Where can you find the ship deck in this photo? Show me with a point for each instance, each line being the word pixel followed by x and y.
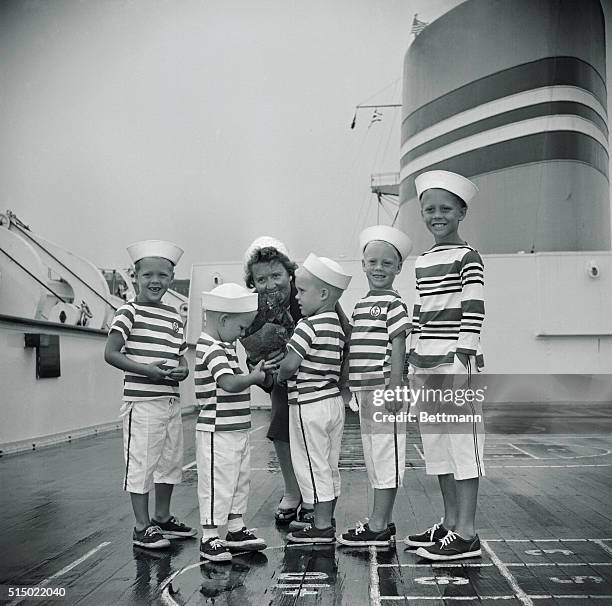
pixel 545 521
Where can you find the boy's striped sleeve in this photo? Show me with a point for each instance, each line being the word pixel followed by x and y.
pixel 123 321
pixel 302 338
pixel 472 302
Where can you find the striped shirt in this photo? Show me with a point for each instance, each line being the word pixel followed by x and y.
pixel 319 341
pixel 449 307
pixel 150 332
pixel 377 319
pixel 219 410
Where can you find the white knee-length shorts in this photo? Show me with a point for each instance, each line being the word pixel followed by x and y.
pixel 152 443
pixel 451 450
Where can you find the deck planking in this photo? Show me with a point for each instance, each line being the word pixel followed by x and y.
pixel 63 502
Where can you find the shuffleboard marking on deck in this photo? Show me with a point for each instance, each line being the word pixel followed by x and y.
pixel 516 588
pixel 523 451
pixel 189 465
pixel 257 428
pixel 374 584
pixel 600 543
pixel 419 451
pixel 439 565
pixel 65 569
pixel 439 598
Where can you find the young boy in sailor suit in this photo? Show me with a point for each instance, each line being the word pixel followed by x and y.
pixel 447 319
pixel 312 367
pixel 222 430
pixel 146 341
pixel 377 351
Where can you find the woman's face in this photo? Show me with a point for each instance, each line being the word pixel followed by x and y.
pixel 271 277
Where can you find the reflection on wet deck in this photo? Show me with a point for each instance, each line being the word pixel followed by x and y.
pixel 545 520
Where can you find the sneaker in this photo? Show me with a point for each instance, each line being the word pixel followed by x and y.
pixel 452 547
pixel 428 537
pixel 173 529
pixel 214 550
pixel 243 540
pixel 305 517
pixel 362 536
pixel 150 537
pixel 313 535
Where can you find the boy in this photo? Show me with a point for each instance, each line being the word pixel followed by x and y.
pixel 222 431
pixel 377 351
pixel 146 341
pixel 448 315
pixel 316 409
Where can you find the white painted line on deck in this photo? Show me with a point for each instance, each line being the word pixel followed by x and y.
pixel 601 544
pixel 374 586
pixel 520 594
pixel 419 451
pixel 189 465
pixel 257 428
pixel 440 565
pixel 64 570
pixel 523 451
pixel 457 598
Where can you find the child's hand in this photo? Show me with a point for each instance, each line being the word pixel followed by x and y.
pixel 258 373
pixel 180 373
pixel 156 371
pixel 276 359
pixel 270 366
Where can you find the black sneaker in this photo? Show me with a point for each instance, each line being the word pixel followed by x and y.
pixel 305 518
pixel 428 537
pixel 214 550
pixel 173 529
pixel 243 540
pixel 452 547
pixel 150 537
pixel 313 535
pixel 363 536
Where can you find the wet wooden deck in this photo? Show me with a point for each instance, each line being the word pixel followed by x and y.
pixel 545 520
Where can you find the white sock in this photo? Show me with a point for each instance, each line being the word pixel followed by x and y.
pixel 209 533
pixel 235 524
pixel 289 501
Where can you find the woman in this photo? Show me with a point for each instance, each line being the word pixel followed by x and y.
pixel 271 273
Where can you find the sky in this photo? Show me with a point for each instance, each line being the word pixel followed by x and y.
pixel 203 122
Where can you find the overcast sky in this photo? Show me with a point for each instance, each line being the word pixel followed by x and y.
pixel 205 122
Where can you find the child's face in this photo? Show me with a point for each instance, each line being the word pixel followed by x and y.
pixel 309 293
pixel 381 263
pixel 233 326
pixel 442 212
pixel 153 278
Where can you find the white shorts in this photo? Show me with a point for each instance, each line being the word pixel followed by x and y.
pixel 224 474
pixel 384 445
pixel 315 434
pixel 152 443
pixel 452 451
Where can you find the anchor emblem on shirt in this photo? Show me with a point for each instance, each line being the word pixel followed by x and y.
pixel 374 311
pixel 175 327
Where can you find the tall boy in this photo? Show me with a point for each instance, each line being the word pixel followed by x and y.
pixel 448 315
pixel 312 367
pixel 146 341
pixel 222 431
pixel 377 351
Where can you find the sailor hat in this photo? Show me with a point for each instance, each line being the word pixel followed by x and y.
pixel 264 242
pixel 230 298
pixel 155 248
pixel 443 179
pixel 327 270
pixel 388 234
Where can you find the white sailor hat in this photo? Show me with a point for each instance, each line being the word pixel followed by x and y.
pixel 264 242
pixel 155 248
pixel 443 179
pixel 388 234
pixel 231 298
pixel 327 270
